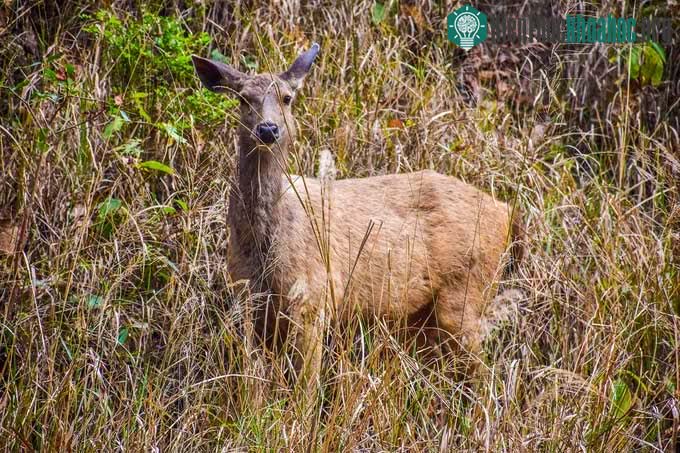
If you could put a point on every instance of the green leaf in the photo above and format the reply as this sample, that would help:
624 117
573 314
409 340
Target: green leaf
94 301
109 207
652 66
251 63
122 335
42 144
182 204
113 127
621 398
218 56
378 13
138 97
158 166
634 62
131 148
658 50
169 210
173 133
50 75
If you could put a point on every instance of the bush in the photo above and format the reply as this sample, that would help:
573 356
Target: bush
151 62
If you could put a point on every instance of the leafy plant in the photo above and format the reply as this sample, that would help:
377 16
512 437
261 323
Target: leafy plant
158 166
110 213
151 58
94 301
380 11
645 63
621 398
123 335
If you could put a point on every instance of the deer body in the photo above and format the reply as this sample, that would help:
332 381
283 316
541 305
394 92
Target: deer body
389 246
421 232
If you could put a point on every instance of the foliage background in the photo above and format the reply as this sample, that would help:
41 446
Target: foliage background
119 328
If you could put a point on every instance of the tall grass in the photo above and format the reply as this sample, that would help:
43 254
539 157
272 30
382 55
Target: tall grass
121 330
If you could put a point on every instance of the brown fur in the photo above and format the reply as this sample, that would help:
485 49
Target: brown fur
393 246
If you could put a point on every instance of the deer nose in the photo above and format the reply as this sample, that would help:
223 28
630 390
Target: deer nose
268 132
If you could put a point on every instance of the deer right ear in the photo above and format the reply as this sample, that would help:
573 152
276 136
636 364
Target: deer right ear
301 66
217 76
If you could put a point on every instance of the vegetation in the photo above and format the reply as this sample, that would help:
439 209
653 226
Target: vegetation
120 328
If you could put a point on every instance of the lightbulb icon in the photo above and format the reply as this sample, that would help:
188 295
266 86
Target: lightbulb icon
467 26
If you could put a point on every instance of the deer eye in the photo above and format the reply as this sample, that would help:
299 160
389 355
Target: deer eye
287 98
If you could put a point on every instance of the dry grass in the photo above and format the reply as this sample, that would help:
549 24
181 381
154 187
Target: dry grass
121 331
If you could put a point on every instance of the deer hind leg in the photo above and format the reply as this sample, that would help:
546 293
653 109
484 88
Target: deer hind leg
458 317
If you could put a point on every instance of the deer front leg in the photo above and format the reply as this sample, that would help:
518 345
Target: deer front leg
308 318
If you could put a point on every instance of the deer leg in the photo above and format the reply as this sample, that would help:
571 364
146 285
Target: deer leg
458 316
308 321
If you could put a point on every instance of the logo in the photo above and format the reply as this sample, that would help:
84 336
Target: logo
467 27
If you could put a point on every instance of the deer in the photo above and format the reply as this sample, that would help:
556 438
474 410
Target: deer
402 244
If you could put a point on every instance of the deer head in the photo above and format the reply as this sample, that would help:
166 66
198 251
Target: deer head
266 99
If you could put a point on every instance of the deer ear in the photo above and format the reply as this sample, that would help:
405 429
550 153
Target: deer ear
300 67
217 76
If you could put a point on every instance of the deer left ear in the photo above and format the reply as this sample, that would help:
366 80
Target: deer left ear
295 75
218 77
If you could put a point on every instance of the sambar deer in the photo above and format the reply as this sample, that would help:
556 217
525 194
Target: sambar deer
399 245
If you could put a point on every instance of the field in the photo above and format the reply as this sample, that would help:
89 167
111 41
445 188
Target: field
120 328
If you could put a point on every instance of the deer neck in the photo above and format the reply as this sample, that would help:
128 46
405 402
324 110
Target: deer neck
254 206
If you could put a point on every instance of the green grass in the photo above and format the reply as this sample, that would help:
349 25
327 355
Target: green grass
120 329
